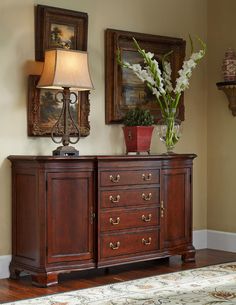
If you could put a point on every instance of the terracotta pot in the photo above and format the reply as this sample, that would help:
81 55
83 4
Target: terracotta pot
138 138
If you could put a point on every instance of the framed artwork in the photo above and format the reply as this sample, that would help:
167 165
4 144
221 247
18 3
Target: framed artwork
123 90
44 109
59 28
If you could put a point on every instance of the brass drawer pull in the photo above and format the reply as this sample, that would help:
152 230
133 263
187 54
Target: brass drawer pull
114 223
147 242
147 197
115 247
147 219
147 177
116 179
114 200
162 209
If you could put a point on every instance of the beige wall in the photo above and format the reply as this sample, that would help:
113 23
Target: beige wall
221 123
161 17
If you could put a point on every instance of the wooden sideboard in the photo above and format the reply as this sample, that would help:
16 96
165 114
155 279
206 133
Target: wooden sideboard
86 212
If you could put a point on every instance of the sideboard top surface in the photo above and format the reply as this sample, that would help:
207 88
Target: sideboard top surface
100 157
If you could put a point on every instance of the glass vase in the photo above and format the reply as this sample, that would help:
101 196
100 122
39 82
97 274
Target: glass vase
169 131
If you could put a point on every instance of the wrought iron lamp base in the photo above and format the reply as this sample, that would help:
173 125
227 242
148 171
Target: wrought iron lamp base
66 151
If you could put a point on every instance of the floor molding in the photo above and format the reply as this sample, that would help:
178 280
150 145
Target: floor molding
200 239
216 240
4 266
224 241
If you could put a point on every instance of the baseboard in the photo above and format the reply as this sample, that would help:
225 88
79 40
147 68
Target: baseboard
4 266
218 240
200 239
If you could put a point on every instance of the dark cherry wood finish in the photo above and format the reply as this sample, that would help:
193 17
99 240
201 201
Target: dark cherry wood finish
176 196
134 218
98 211
129 197
130 185
11 290
53 217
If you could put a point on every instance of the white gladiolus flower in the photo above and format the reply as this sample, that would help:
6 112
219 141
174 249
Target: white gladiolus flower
155 92
197 56
150 55
161 89
185 73
150 80
191 63
136 67
159 81
155 62
182 83
142 75
127 64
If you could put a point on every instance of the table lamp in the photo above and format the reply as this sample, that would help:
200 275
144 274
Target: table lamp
65 70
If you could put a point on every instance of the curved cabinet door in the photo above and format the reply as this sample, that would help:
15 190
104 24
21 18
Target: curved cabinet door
70 213
176 199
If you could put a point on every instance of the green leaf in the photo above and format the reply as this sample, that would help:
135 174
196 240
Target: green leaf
191 42
138 117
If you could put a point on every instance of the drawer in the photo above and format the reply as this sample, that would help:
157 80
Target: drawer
119 219
129 177
127 243
132 197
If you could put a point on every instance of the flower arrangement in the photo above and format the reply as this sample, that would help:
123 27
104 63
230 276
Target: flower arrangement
159 82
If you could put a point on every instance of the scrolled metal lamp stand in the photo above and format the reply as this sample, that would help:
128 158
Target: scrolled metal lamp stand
63 126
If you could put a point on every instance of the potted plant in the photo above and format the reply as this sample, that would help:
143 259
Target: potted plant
138 130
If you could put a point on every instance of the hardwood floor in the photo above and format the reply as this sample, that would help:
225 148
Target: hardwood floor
12 290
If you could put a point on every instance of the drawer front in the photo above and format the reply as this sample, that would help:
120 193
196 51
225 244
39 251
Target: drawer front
119 219
129 177
127 243
132 197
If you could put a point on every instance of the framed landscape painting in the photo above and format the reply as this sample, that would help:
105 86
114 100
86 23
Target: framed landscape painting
44 110
59 28
123 89
62 36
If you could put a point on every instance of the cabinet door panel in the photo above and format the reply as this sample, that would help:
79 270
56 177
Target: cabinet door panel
69 222
26 218
176 196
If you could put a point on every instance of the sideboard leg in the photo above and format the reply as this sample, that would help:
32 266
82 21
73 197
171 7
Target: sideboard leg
14 272
189 256
45 279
